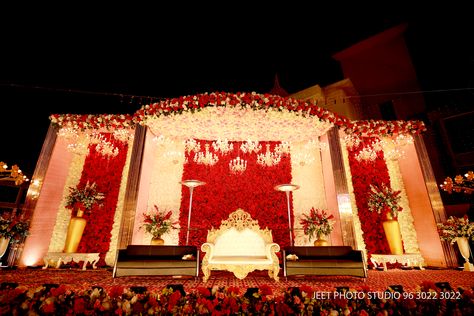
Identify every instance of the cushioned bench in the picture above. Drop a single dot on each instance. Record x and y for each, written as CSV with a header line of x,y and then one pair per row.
x,y
240,246
157,260
327,260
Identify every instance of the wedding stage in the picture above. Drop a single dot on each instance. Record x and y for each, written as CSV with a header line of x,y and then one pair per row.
x,y
200,158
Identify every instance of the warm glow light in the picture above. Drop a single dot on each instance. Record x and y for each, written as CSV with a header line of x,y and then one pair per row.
x,y
32,258
344,203
192,183
287,187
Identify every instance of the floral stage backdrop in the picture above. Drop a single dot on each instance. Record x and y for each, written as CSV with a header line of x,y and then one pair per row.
x,y
241,116
224,192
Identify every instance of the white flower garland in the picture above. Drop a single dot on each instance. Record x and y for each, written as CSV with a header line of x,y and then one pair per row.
x,y
64,215
114,238
405,217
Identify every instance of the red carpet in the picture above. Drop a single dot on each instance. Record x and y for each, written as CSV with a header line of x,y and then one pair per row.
x,y
95,292
376,281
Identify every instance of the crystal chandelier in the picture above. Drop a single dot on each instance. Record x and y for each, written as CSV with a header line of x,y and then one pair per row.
x,y
283,148
237,165
77,148
207,158
302,159
268,159
403,140
393,149
123,135
192,145
106,148
176,156
162,141
103,146
76,142
222,145
316,145
351,140
367,154
250,146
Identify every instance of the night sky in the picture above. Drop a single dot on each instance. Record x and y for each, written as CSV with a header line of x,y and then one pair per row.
x,y
82,63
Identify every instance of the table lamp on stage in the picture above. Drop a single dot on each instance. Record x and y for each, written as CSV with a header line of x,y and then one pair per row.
x,y
191,184
287,188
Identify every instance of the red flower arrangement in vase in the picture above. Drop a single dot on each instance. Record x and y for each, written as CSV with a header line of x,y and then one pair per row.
x,y
384,200
83,197
157,224
317,224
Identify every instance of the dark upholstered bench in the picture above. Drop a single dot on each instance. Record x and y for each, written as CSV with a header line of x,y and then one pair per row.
x,y
327,260
156,260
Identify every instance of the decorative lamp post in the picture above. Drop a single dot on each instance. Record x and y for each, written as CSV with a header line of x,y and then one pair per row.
x,y
191,184
287,188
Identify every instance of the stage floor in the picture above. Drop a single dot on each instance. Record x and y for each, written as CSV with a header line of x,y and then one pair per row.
x,y
377,280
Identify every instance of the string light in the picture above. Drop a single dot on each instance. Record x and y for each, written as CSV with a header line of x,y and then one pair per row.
x,y
152,99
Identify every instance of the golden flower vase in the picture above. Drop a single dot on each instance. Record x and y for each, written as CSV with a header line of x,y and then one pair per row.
x,y
157,241
74,232
391,228
320,241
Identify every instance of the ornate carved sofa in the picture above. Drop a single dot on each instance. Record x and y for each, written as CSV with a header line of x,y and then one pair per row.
x,y
240,246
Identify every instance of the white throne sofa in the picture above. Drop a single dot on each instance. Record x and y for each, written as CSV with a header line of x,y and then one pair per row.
x,y
240,246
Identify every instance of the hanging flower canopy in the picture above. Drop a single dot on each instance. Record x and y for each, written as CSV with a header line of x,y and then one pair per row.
x,y
241,112
237,117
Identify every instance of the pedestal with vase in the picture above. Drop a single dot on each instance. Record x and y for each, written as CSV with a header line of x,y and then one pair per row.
x,y
76,227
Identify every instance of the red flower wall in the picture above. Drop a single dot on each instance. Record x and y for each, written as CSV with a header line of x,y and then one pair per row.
x,y
106,171
364,173
224,192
